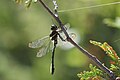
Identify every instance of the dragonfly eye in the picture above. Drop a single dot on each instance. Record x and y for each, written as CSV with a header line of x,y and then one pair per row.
x,y
53,27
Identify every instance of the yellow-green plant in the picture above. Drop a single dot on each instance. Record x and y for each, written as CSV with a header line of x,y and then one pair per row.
x,y
97,74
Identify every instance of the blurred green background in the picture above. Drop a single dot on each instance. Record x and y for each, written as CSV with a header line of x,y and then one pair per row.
x,y
19,26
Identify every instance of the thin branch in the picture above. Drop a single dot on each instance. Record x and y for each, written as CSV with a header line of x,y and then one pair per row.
x,y
55,7
93,58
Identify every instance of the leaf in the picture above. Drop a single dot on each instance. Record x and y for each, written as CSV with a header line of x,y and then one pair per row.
x,y
115,69
93,74
18,1
28,3
35,1
113,23
115,62
107,48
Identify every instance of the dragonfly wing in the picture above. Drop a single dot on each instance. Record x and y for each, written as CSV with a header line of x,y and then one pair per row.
x,y
41,52
67,26
72,35
38,43
45,49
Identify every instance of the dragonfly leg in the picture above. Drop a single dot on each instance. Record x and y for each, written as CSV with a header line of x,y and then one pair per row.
x,y
61,37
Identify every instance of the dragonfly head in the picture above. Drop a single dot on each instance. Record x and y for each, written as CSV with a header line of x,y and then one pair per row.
x,y
53,27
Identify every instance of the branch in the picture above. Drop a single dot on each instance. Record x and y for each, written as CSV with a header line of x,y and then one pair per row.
x,y
93,58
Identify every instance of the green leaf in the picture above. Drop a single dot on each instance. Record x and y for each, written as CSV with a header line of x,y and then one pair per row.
x,y
113,23
108,49
28,3
115,69
35,1
93,73
18,1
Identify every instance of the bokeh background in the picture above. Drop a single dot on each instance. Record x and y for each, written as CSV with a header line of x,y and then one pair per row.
x,y
19,26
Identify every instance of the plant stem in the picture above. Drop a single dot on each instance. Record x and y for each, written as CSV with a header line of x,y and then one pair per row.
x,y
93,58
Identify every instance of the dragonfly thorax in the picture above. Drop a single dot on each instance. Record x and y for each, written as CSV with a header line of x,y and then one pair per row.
x,y
54,27
54,33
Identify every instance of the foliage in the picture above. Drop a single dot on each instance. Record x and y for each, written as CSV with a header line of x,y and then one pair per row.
x,y
113,23
18,1
93,74
97,73
109,51
27,2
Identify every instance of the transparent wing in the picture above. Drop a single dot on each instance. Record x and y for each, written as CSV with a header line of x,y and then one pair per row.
x,y
72,35
44,49
39,43
70,32
67,26
65,44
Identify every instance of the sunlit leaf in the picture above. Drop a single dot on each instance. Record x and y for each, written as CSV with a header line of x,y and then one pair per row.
x,y
28,3
93,74
115,69
107,48
113,23
115,62
18,1
35,0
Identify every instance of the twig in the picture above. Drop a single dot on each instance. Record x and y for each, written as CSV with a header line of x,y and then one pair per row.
x,y
93,58
55,8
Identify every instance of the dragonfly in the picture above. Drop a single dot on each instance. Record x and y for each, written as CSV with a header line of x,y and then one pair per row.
x,y
46,43
49,43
